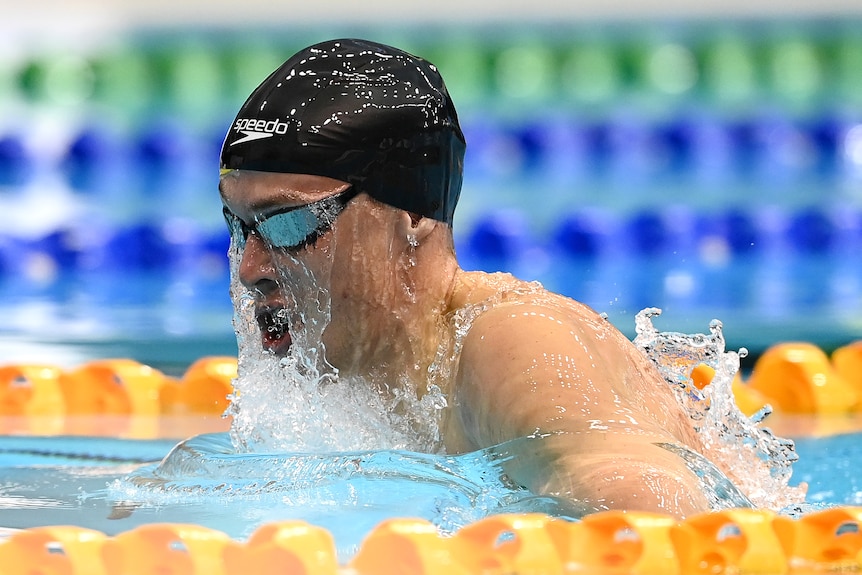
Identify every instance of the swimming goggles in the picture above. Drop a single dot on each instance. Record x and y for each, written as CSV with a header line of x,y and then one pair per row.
x,y
290,228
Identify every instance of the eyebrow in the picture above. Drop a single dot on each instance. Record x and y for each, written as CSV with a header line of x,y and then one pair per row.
x,y
260,207
266,206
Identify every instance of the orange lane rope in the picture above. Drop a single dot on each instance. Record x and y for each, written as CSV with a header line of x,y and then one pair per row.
x,y
612,542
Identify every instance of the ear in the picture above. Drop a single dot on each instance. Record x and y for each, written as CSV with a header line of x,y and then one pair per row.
x,y
413,225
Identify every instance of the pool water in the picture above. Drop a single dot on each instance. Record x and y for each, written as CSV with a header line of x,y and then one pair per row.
x,y
104,484
114,485
831,466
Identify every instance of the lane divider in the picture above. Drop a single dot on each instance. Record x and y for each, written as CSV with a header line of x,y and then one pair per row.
x,y
793,377
116,387
117,398
612,542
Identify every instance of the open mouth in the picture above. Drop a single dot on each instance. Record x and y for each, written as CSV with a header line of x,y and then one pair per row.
x,y
274,332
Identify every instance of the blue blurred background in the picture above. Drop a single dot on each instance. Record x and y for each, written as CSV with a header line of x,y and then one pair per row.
x,y
707,161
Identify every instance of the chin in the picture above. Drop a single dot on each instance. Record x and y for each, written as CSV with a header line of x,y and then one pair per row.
x,y
339,351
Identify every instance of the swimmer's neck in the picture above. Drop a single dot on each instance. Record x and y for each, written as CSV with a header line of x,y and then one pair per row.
x,y
473,287
441,288
402,340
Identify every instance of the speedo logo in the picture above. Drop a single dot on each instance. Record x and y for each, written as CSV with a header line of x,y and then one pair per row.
x,y
258,129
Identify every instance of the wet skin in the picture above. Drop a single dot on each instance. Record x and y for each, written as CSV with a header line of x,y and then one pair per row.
x,y
261,269
364,263
534,363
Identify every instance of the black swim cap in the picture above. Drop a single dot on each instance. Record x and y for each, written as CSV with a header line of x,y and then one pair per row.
x,y
361,112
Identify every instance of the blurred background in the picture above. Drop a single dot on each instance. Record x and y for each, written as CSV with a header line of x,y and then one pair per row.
x,y
706,160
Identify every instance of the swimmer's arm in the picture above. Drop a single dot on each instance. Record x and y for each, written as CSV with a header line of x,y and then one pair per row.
x,y
636,475
521,374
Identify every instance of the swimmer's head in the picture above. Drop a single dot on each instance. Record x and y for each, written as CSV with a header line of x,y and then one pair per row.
x,y
360,112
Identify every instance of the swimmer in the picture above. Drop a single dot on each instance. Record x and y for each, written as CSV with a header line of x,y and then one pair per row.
x,y
345,165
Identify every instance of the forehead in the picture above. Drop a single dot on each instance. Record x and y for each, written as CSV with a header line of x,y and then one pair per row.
x,y
244,190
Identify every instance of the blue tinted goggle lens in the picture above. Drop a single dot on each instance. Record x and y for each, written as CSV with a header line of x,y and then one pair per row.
x,y
290,228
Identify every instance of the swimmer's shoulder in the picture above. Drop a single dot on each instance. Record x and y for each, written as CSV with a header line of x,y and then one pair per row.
x,y
523,355
503,316
497,294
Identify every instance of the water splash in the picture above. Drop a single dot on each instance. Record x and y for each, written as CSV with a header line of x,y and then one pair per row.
x,y
300,402
756,460
347,493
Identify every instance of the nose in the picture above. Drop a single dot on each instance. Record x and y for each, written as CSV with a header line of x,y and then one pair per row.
x,y
256,267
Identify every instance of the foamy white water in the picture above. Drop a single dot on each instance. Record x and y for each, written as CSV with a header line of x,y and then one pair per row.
x,y
755,459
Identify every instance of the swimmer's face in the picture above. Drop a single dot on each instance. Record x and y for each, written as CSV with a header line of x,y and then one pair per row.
x,y
314,255
279,224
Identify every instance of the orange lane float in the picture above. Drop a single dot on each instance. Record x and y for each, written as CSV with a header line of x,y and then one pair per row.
x,y
206,385
112,387
124,394
847,361
736,540
799,377
399,546
622,541
284,547
829,540
32,392
526,543
116,387
731,541
48,550
793,377
163,548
